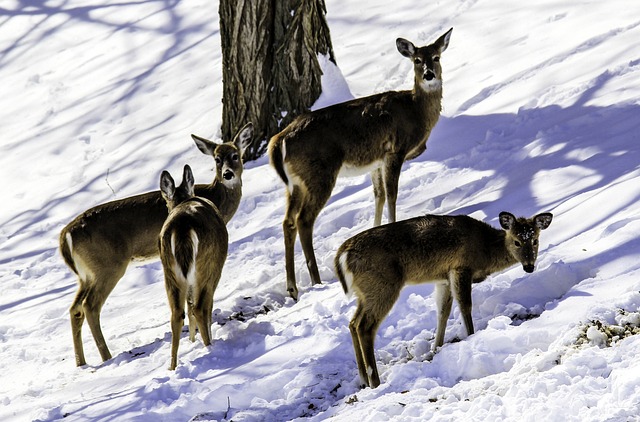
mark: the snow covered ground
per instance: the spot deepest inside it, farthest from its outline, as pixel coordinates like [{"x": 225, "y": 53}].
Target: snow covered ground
[{"x": 541, "y": 113}]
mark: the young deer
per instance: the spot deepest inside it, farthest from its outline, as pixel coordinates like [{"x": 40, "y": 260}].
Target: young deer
[
  {"x": 451, "y": 251},
  {"x": 99, "y": 244},
  {"x": 193, "y": 248},
  {"x": 374, "y": 134}
]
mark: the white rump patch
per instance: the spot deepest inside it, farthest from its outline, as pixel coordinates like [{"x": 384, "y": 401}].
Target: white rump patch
[
  {"x": 284, "y": 151},
  {"x": 348, "y": 275},
  {"x": 69, "y": 240},
  {"x": 83, "y": 270},
  {"x": 293, "y": 179},
  {"x": 191, "y": 274}
]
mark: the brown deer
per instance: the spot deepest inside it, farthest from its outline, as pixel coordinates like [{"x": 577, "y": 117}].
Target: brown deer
[
  {"x": 374, "y": 134},
  {"x": 451, "y": 251},
  {"x": 99, "y": 244},
  {"x": 193, "y": 248}
]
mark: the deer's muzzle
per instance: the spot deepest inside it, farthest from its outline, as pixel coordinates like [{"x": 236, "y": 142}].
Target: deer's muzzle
[
  {"x": 228, "y": 175},
  {"x": 429, "y": 75},
  {"x": 528, "y": 268}
]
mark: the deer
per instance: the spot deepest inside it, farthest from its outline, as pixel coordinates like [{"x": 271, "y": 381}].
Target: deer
[
  {"x": 374, "y": 134},
  {"x": 100, "y": 243},
  {"x": 193, "y": 247},
  {"x": 453, "y": 252}
]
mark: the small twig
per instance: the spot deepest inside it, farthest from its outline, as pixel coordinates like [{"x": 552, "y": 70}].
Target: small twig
[
  {"x": 106, "y": 179},
  {"x": 226, "y": 414}
]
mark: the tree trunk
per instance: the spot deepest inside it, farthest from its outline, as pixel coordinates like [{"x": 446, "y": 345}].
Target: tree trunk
[{"x": 270, "y": 69}]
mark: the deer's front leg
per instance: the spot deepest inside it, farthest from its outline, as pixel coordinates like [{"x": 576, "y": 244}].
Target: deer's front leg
[
  {"x": 444, "y": 300},
  {"x": 379, "y": 194},
  {"x": 392, "y": 167},
  {"x": 461, "y": 284}
]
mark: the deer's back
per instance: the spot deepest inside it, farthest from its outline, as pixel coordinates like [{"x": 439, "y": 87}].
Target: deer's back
[
  {"x": 425, "y": 248},
  {"x": 119, "y": 230},
  {"x": 360, "y": 130},
  {"x": 128, "y": 228}
]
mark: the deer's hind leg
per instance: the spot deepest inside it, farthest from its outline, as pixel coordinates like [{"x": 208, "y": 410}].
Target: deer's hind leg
[
  {"x": 366, "y": 325},
  {"x": 76, "y": 313},
  {"x": 315, "y": 200},
  {"x": 177, "y": 297},
  {"x": 97, "y": 293},
  {"x": 378, "y": 293},
  {"x": 290, "y": 231},
  {"x": 202, "y": 312},
  {"x": 357, "y": 347},
  {"x": 191, "y": 317}
]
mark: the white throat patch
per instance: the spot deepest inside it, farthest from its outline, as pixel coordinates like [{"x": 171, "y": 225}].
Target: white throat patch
[{"x": 430, "y": 86}]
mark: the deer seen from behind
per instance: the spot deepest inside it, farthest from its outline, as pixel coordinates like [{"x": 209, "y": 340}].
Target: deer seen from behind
[
  {"x": 451, "y": 251},
  {"x": 99, "y": 244},
  {"x": 193, "y": 249},
  {"x": 375, "y": 134}
]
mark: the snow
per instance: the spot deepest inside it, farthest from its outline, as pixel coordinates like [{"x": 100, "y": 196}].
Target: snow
[{"x": 541, "y": 106}]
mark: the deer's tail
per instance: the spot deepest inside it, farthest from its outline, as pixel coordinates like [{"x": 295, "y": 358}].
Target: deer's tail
[{"x": 276, "y": 156}]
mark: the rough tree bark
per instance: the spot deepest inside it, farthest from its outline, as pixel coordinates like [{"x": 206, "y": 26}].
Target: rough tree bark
[{"x": 270, "y": 68}]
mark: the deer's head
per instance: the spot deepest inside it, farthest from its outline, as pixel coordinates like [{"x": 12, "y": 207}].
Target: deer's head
[
  {"x": 522, "y": 236},
  {"x": 176, "y": 195},
  {"x": 227, "y": 155},
  {"x": 426, "y": 60}
]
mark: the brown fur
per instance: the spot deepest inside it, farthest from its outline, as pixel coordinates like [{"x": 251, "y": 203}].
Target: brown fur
[
  {"x": 451, "y": 251},
  {"x": 107, "y": 237},
  {"x": 376, "y": 133},
  {"x": 193, "y": 249}
]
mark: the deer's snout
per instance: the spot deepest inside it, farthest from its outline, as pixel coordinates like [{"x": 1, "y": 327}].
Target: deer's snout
[
  {"x": 528, "y": 267},
  {"x": 228, "y": 175},
  {"x": 429, "y": 75}
]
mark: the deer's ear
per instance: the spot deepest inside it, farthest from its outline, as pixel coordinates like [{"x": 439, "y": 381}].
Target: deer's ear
[
  {"x": 405, "y": 47},
  {"x": 244, "y": 137},
  {"x": 543, "y": 220},
  {"x": 506, "y": 220},
  {"x": 167, "y": 186},
  {"x": 187, "y": 180},
  {"x": 206, "y": 146},
  {"x": 443, "y": 42}
]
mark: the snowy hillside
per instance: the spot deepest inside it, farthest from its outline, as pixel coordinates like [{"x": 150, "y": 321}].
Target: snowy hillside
[{"x": 541, "y": 113}]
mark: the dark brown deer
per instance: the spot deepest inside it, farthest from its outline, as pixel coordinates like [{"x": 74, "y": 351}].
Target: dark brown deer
[
  {"x": 193, "y": 248},
  {"x": 451, "y": 251},
  {"x": 374, "y": 134},
  {"x": 99, "y": 244}
]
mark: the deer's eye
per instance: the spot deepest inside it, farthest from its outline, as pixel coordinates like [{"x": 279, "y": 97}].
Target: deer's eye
[
  {"x": 436, "y": 58},
  {"x": 234, "y": 157},
  {"x": 535, "y": 242},
  {"x": 518, "y": 244},
  {"x": 218, "y": 160},
  {"x": 417, "y": 60}
]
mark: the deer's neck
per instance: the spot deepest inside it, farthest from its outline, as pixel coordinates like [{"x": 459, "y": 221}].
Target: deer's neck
[
  {"x": 429, "y": 103},
  {"x": 430, "y": 99},
  {"x": 225, "y": 198},
  {"x": 500, "y": 257}
]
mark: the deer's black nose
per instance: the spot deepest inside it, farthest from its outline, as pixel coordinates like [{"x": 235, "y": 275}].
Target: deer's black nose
[
  {"x": 429, "y": 75},
  {"x": 228, "y": 175},
  {"x": 528, "y": 268}
]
